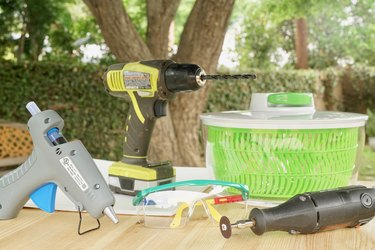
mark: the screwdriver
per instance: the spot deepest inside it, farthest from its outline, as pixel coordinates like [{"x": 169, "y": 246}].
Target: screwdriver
[{"x": 311, "y": 212}]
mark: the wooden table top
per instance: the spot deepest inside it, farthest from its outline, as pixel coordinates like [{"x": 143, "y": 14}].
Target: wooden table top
[{"x": 35, "y": 229}]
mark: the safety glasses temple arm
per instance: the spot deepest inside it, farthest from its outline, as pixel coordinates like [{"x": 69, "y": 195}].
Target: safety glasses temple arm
[{"x": 141, "y": 194}]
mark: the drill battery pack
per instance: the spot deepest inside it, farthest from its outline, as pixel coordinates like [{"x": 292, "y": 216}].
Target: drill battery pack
[{"x": 128, "y": 179}]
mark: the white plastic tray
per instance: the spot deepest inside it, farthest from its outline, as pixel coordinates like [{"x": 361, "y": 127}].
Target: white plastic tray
[{"x": 123, "y": 202}]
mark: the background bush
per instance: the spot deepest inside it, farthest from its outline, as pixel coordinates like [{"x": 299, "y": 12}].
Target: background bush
[
  {"x": 76, "y": 92},
  {"x": 236, "y": 95}
]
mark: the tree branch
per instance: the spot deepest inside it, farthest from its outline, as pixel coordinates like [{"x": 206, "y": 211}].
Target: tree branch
[
  {"x": 118, "y": 31},
  {"x": 205, "y": 30},
  {"x": 201, "y": 43},
  {"x": 160, "y": 15}
]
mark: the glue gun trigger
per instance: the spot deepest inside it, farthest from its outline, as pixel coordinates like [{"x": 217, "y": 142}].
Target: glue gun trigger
[{"x": 44, "y": 197}]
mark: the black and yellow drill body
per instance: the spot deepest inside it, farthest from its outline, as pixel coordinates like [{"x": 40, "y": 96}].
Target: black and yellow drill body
[{"x": 148, "y": 86}]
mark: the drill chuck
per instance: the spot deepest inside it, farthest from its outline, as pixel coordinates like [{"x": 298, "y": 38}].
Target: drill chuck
[
  {"x": 190, "y": 77},
  {"x": 184, "y": 77}
]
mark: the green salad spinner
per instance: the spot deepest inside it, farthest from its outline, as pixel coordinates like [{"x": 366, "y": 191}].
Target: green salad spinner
[{"x": 282, "y": 146}]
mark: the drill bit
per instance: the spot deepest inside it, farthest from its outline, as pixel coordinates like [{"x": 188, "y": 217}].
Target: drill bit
[{"x": 224, "y": 77}]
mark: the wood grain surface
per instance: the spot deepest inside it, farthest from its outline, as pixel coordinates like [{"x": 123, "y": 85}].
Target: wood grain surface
[{"x": 35, "y": 229}]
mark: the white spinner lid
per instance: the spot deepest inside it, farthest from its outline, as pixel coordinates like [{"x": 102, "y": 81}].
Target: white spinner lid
[{"x": 283, "y": 111}]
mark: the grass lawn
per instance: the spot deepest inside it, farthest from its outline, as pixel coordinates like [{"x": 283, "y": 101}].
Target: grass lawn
[{"x": 367, "y": 165}]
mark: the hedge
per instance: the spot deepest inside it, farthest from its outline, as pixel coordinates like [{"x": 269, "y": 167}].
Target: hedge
[
  {"x": 236, "y": 95},
  {"x": 76, "y": 92}
]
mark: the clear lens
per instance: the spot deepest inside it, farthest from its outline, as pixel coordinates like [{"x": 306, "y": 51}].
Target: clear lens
[
  {"x": 169, "y": 209},
  {"x": 234, "y": 211},
  {"x": 175, "y": 217},
  {"x": 173, "y": 209}
]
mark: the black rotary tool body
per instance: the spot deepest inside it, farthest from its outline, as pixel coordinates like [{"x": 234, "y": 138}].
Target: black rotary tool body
[{"x": 351, "y": 206}]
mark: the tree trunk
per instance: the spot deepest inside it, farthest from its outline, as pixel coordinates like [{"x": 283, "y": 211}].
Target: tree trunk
[
  {"x": 21, "y": 45},
  {"x": 301, "y": 37},
  {"x": 160, "y": 15},
  {"x": 118, "y": 31},
  {"x": 201, "y": 43},
  {"x": 21, "y": 42}
]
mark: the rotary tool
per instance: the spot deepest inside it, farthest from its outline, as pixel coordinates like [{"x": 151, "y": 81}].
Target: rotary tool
[
  {"x": 307, "y": 213},
  {"x": 149, "y": 85},
  {"x": 55, "y": 162}
]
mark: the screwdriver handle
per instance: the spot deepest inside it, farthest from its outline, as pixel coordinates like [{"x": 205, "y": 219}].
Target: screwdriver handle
[{"x": 306, "y": 213}]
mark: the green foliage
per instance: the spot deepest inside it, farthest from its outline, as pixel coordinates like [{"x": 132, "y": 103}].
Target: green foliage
[
  {"x": 370, "y": 127},
  {"x": 47, "y": 28},
  {"x": 362, "y": 80},
  {"x": 137, "y": 11},
  {"x": 40, "y": 14},
  {"x": 261, "y": 42},
  {"x": 25, "y": 24},
  {"x": 345, "y": 32},
  {"x": 287, "y": 81},
  {"x": 181, "y": 17},
  {"x": 9, "y": 15},
  {"x": 258, "y": 41},
  {"x": 339, "y": 32},
  {"x": 76, "y": 92},
  {"x": 367, "y": 165},
  {"x": 73, "y": 23},
  {"x": 331, "y": 77},
  {"x": 229, "y": 95},
  {"x": 282, "y": 10}
]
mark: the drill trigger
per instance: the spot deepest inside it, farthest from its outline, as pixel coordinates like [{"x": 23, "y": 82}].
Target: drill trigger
[
  {"x": 160, "y": 108},
  {"x": 44, "y": 197},
  {"x": 137, "y": 110}
]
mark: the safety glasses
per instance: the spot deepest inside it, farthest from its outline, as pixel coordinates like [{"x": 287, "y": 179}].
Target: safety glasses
[{"x": 173, "y": 205}]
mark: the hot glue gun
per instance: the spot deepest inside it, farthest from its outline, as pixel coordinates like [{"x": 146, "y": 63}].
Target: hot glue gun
[{"x": 55, "y": 162}]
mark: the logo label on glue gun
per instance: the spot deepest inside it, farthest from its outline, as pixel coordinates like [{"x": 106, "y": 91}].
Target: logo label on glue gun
[{"x": 72, "y": 170}]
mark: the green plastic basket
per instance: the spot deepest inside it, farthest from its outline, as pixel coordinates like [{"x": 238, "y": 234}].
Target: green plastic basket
[{"x": 281, "y": 163}]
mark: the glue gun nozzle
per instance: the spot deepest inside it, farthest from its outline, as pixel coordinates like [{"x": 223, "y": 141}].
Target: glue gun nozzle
[
  {"x": 33, "y": 108},
  {"x": 111, "y": 214}
]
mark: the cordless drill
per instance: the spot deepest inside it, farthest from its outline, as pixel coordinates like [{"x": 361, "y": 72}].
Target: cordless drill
[{"x": 149, "y": 85}]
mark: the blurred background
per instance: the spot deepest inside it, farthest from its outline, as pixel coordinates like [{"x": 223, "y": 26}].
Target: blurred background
[{"x": 55, "y": 52}]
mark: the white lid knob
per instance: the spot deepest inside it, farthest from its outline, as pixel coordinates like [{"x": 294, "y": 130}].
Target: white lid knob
[{"x": 282, "y": 103}]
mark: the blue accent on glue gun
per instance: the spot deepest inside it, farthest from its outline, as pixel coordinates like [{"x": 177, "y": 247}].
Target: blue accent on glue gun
[
  {"x": 55, "y": 137},
  {"x": 52, "y": 131},
  {"x": 44, "y": 197}
]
